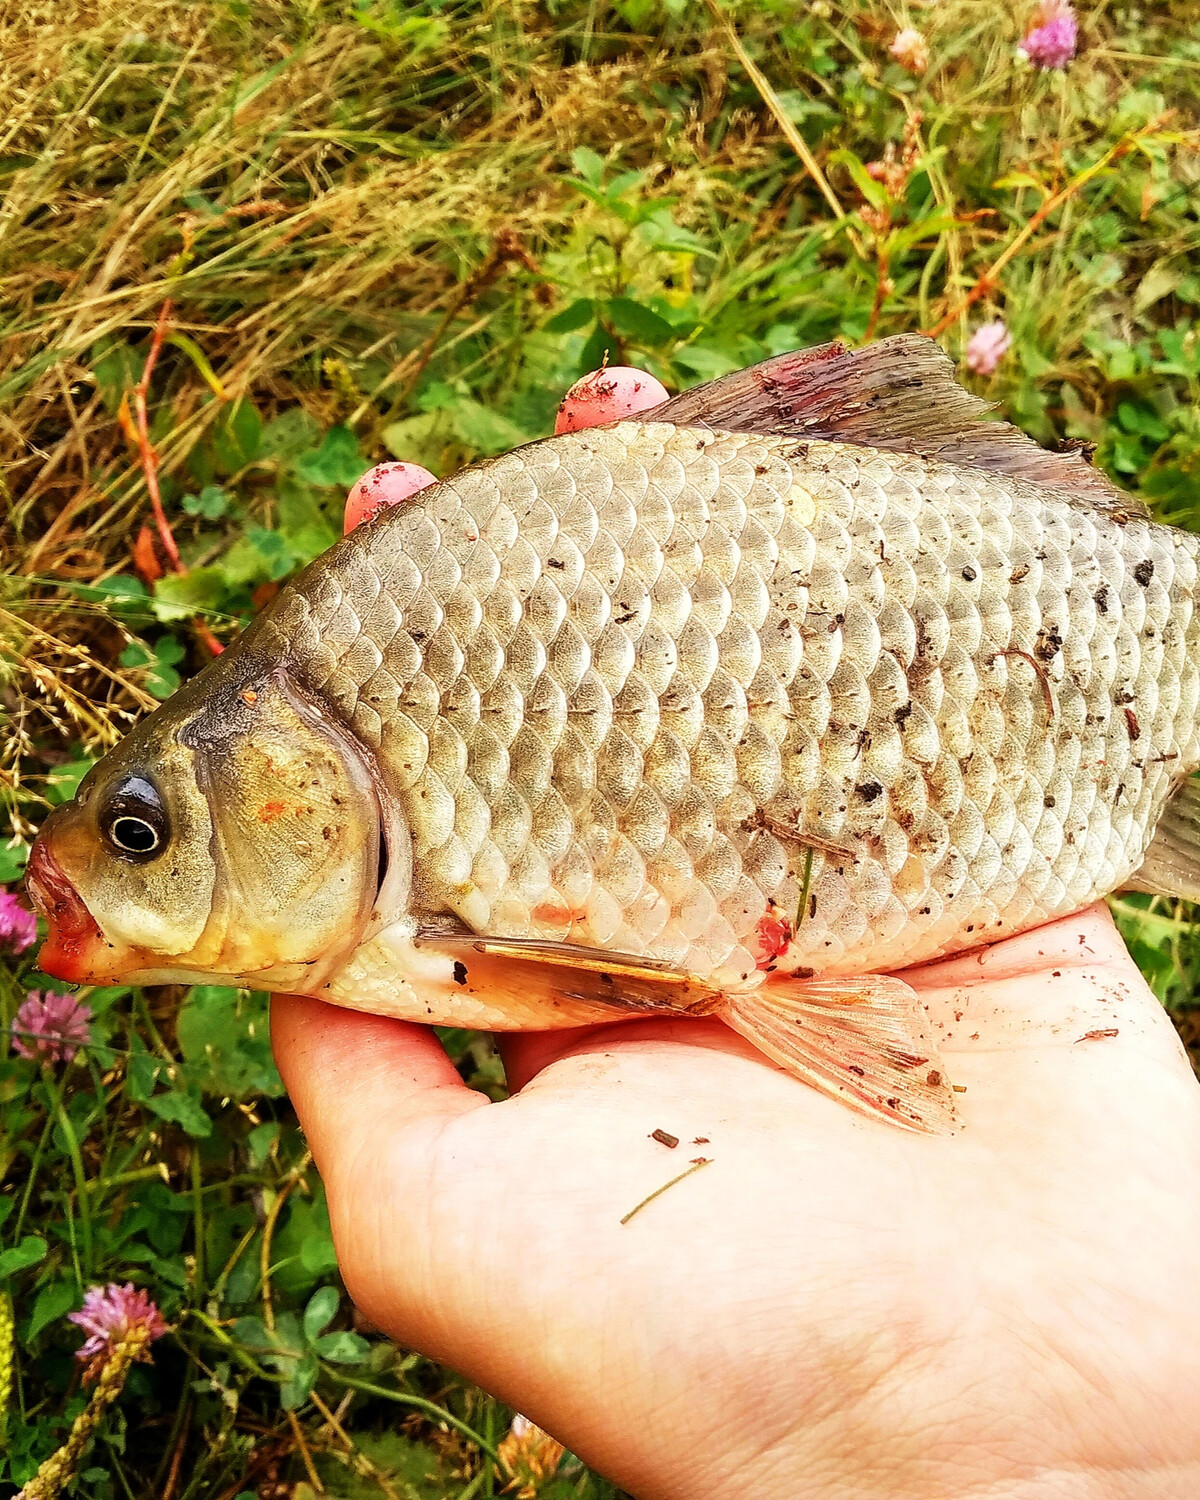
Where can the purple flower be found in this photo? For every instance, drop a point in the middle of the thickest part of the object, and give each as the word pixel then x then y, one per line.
pixel 911 50
pixel 110 1314
pixel 50 1027
pixel 1051 41
pixel 18 927
pixel 987 347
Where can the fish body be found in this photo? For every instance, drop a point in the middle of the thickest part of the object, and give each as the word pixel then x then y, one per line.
pixel 716 711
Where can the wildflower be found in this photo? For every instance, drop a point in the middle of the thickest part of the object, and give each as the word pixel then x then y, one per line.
pixel 50 1027
pixel 18 927
pixel 122 1323
pixel 530 1457
pixel 113 1315
pixel 987 347
pixel 1051 40
pixel 911 50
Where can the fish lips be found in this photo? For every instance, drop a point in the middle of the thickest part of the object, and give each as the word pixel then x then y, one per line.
pixel 75 949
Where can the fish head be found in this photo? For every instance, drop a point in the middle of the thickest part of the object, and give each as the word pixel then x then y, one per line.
pixel 234 835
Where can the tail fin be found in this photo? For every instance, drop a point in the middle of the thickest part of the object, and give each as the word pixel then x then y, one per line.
pixel 863 1041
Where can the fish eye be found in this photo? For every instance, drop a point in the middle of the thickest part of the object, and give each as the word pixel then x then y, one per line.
pixel 134 822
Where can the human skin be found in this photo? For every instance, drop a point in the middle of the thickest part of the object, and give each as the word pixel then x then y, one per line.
pixel 833 1307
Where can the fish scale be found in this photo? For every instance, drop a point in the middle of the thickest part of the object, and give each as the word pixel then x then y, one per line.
pixel 626 680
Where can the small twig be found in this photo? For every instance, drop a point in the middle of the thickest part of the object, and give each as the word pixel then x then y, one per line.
pixel 146 449
pixel 269 1231
pixel 790 134
pixel 149 458
pixel 658 1192
pixel 430 1408
pixel 359 1459
pixel 306 1457
pixel 168 1488
pixel 1042 676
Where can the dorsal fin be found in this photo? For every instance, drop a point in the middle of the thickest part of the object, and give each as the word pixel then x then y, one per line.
pixel 899 394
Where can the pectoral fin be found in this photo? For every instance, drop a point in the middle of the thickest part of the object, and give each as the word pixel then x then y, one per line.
pixel 1172 863
pixel 620 980
pixel 863 1041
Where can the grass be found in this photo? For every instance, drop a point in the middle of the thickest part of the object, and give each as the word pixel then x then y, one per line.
pixel 404 229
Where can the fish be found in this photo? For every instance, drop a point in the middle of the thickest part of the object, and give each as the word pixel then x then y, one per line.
pixel 739 708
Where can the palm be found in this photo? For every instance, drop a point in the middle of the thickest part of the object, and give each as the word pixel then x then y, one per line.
pixel 831 1306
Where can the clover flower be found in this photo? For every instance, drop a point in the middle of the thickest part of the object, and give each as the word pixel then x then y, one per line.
pixel 50 1027
pixel 18 927
pixel 113 1315
pixel 911 50
pixel 530 1457
pixel 1053 37
pixel 987 347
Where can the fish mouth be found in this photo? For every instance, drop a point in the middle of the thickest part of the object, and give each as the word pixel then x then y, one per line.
pixel 75 949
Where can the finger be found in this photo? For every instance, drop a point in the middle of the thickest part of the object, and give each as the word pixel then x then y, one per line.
pixel 608 395
pixel 349 1074
pixel 384 485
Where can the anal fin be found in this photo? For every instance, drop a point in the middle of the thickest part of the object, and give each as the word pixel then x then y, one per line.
pixel 1171 866
pixel 864 1041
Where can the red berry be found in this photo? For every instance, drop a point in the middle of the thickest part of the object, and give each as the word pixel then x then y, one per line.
pixel 385 484
pixel 608 395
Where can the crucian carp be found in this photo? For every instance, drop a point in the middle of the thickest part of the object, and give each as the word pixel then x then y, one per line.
pixel 808 675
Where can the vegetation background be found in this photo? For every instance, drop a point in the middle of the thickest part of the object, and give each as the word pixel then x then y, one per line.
pixel 384 228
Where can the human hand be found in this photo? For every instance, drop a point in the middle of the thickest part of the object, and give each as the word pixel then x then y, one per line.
pixel 832 1307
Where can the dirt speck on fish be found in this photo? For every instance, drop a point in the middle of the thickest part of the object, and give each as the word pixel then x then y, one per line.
pixel 807 674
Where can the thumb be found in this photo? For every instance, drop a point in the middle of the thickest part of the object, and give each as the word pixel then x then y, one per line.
pixel 350 1076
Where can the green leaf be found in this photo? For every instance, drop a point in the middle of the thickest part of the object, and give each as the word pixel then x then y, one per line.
pixel 63 781
pixel 336 464
pixel 295 1391
pixel 874 192
pixel 54 1299
pixel 235 437
pixel 343 1348
pixel 484 429
pixel 302 520
pixel 660 232
pixel 29 1252
pixel 321 1311
pixel 224 1036
pixel 117 370
pixel 636 321
pixel 290 434
pixel 272 547
pixel 705 360
pixel 123 596
pixel 252 1334
pixel 159 660
pixel 578 315
pixel 182 1109
pixel 198 358
pixel 14 856
pixel 420 439
pixel 260 1142
pixel 589 166
pixel 601 345
pixel 179 596
pixel 212 502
